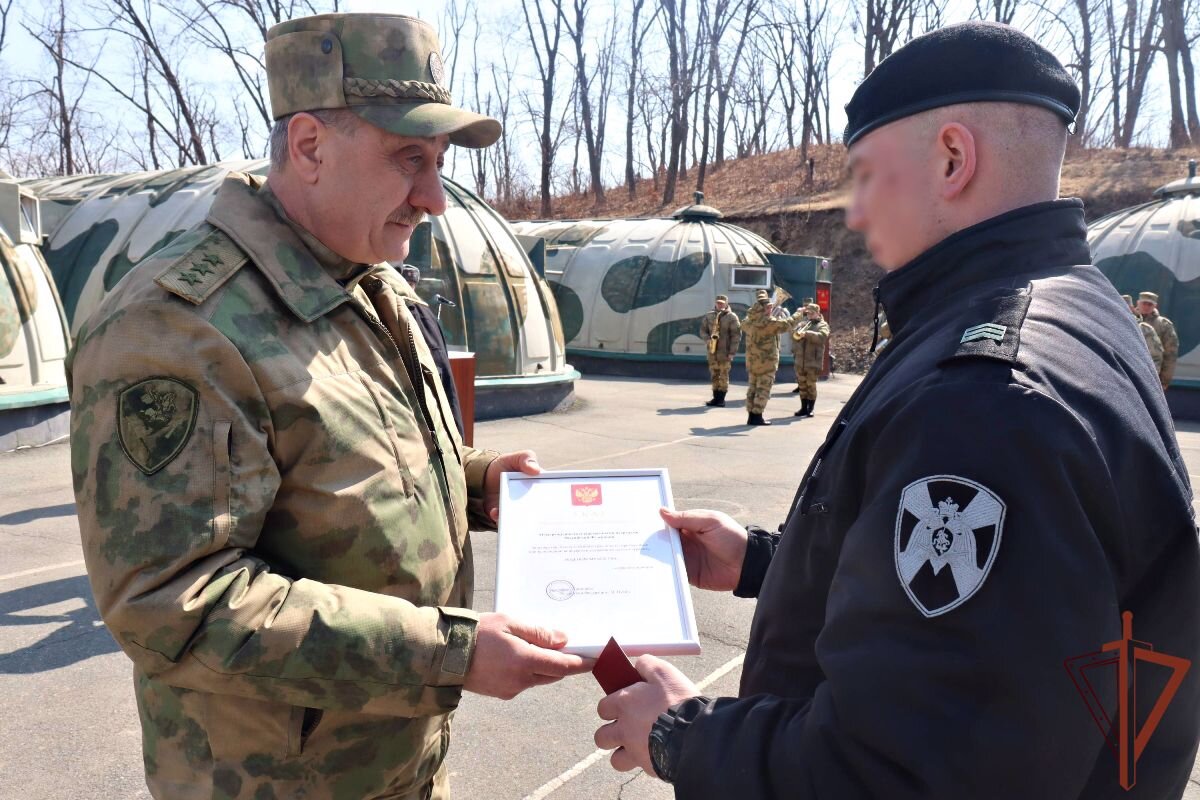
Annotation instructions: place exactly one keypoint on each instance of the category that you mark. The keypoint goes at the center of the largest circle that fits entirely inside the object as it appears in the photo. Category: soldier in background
(1148, 307)
(762, 327)
(808, 352)
(1153, 342)
(273, 499)
(722, 333)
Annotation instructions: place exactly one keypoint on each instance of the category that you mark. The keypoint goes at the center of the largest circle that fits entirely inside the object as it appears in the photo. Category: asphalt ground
(68, 724)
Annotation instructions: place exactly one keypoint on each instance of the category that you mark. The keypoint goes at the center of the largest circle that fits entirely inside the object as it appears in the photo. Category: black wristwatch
(666, 737)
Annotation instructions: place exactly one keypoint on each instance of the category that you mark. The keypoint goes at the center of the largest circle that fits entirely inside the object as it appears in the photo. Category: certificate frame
(689, 641)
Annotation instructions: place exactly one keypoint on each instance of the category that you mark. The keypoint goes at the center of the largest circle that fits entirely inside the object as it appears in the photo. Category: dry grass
(768, 195)
(777, 183)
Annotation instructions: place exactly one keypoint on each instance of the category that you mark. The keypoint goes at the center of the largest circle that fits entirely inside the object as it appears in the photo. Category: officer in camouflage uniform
(809, 336)
(1153, 342)
(762, 328)
(1148, 308)
(273, 497)
(722, 333)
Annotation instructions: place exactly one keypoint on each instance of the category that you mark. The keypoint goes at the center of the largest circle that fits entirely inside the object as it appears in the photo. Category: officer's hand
(520, 461)
(714, 547)
(634, 710)
(511, 656)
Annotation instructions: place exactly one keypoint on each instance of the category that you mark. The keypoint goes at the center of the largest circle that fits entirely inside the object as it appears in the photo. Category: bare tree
(724, 77)
(1074, 20)
(544, 40)
(133, 19)
(481, 157)
(637, 38)
(723, 14)
(62, 111)
(1133, 45)
(4, 9)
(883, 24)
(592, 125)
(997, 10)
(502, 82)
(680, 70)
(1177, 50)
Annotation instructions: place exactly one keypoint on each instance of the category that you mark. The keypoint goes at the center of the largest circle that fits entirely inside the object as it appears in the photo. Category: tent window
(751, 278)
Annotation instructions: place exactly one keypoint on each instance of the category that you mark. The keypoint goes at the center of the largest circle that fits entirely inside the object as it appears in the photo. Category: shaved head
(924, 177)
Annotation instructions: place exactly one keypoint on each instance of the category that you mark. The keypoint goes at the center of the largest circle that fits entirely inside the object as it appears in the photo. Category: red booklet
(613, 669)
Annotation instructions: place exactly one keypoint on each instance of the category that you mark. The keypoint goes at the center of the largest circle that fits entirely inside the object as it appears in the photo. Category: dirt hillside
(773, 196)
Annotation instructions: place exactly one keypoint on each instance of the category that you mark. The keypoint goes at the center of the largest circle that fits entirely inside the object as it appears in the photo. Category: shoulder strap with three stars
(200, 271)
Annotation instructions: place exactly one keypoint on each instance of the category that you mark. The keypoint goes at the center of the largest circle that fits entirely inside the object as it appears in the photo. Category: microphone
(445, 301)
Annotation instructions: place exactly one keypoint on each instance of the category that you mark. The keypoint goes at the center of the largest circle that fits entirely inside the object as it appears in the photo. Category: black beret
(966, 63)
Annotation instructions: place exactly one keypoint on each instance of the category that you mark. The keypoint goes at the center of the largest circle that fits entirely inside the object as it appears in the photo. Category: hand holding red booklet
(613, 669)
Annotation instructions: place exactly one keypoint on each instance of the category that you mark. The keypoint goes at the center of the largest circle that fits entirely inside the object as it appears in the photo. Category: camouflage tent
(97, 227)
(635, 290)
(33, 331)
(1155, 247)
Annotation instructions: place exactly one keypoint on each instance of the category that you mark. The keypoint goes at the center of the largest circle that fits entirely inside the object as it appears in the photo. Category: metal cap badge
(386, 68)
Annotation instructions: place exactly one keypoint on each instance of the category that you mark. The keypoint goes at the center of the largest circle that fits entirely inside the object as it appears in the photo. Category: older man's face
(375, 187)
(720, 305)
(1144, 307)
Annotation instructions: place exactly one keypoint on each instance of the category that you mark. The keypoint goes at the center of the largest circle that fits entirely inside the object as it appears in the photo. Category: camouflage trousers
(759, 391)
(718, 370)
(806, 379)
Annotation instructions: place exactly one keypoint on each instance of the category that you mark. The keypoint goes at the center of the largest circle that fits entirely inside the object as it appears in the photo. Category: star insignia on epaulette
(200, 268)
(213, 258)
(189, 278)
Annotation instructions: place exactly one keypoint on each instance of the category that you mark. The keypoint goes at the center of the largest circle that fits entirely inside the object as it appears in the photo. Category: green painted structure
(93, 229)
(1155, 247)
(632, 292)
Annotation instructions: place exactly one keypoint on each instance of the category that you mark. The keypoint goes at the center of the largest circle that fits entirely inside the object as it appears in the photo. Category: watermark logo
(1122, 734)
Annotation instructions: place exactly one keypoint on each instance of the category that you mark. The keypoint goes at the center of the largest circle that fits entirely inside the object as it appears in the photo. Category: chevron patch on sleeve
(986, 331)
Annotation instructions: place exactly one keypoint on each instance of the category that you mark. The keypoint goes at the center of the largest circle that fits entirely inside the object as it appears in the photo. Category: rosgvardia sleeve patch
(155, 418)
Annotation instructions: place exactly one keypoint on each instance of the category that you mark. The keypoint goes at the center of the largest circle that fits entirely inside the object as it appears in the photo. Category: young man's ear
(956, 155)
(306, 133)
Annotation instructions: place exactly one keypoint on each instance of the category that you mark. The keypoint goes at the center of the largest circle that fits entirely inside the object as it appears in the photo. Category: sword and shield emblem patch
(947, 535)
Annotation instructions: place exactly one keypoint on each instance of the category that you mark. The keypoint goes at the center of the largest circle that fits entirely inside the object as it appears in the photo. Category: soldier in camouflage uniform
(273, 497)
(1153, 342)
(722, 333)
(762, 327)
(808, 351)
(1148, 307)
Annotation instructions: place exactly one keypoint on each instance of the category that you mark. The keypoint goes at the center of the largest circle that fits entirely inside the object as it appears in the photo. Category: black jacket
(436, 340)
(1002, 486)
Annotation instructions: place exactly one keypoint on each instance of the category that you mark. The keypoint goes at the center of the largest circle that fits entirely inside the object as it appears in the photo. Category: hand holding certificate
(589, 554)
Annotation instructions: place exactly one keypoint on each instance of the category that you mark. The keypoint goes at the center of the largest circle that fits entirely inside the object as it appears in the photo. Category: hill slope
(770, 194)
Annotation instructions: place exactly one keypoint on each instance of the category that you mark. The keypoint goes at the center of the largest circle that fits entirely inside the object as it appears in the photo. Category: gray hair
(340, 119)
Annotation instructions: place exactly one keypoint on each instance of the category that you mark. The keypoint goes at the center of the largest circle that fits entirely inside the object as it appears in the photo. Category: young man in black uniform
(978, 514)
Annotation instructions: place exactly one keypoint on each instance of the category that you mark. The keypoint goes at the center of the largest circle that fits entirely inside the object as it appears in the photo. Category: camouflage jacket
(728, 330)
(274, 506)
(762, 339)
(1153, 343)
(808, 341)
(1170, 345)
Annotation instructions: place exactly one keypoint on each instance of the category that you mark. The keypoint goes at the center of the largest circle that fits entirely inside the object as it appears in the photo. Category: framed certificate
(586, 552)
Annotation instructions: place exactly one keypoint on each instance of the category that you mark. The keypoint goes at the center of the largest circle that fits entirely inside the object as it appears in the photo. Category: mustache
(406, 215)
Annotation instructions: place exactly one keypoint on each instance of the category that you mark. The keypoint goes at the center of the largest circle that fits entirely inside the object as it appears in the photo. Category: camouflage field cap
(1149, 297)
(813, 307)
(722, 298)
(386, 68)
(1128, 298)
(761, 296)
